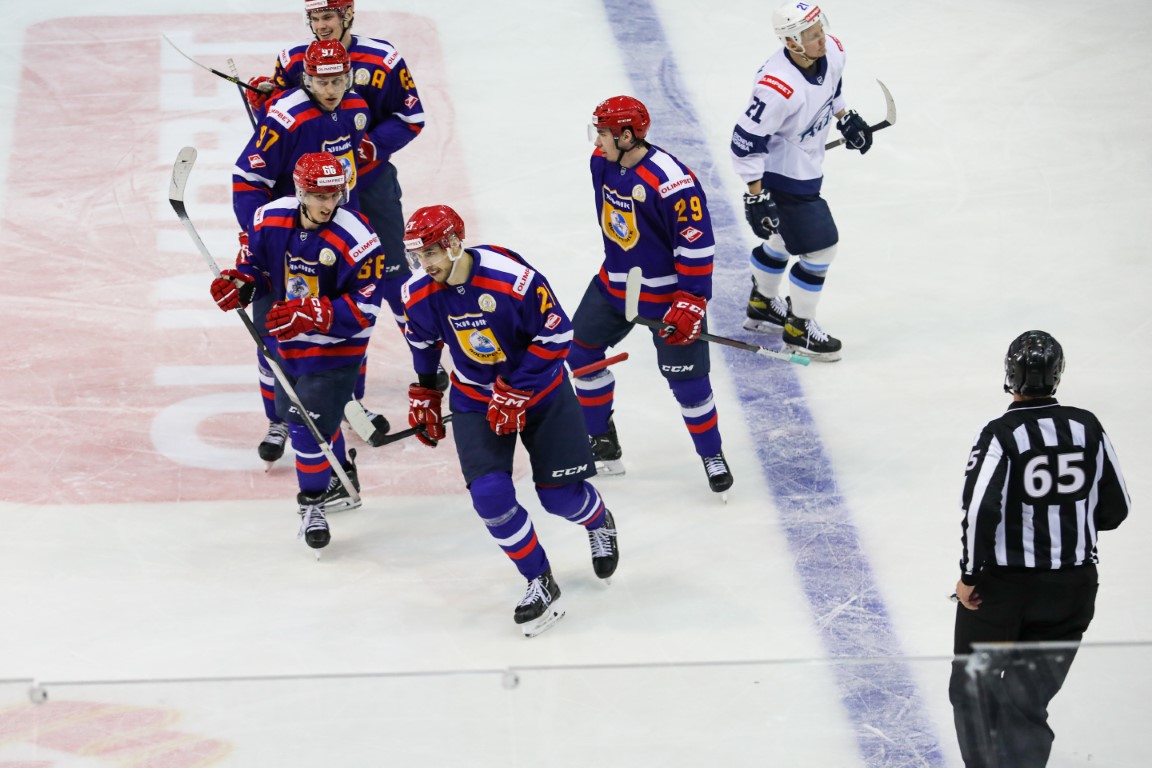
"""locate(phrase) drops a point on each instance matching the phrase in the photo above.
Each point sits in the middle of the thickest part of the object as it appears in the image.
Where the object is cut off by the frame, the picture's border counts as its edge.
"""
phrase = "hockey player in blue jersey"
(778, 150)
(653, 214)
(323, 115)
(312, 259)
(382, 77)
(508, 337)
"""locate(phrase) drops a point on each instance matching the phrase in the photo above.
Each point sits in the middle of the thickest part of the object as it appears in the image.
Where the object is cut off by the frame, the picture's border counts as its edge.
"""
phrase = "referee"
(1042, 480)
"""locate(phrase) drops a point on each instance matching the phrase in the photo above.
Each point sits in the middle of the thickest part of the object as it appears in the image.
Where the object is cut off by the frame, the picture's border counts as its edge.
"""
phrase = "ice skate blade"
(545, 622)
(762, 326)
(816, 357)
(343, 505)
(610, 468)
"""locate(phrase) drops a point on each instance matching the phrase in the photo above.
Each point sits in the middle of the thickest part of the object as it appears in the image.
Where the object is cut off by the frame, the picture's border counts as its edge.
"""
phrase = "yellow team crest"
(639, 194)
(618, 219)
(362, 76)
(486, 302)
(476, 339)
(327, 257)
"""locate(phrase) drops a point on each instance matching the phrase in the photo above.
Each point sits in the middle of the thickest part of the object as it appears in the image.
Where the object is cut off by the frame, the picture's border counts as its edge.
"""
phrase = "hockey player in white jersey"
(778, 150)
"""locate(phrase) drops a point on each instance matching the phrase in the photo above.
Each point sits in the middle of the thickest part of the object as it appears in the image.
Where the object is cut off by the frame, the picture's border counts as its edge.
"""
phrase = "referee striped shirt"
(1041, 481)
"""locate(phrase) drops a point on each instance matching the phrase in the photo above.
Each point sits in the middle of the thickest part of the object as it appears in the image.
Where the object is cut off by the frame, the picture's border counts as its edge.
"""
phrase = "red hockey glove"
(265, 92)
(506, 408)
(289, 319)
(244, 255)
(233, 290)
(366, 152)
(683, 319)
(424, 410)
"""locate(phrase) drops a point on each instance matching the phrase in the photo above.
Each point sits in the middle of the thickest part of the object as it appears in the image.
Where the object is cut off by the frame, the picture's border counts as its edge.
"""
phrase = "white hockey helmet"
(791, 19)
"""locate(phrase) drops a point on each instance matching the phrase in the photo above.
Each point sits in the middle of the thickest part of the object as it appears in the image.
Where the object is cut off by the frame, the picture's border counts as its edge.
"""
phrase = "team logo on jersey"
(552, 321)
(486, 302)
(360, 120)
(327, 257)
(343, 150)
(475, 339)
(301, 286)
(638, 193)
(618, 219)
(301, 277)
(691, 234)
(362, 76)
(822, 118)
(410, 101)
(777, 85)
(368, 290)
(256, 161)
(303, 235)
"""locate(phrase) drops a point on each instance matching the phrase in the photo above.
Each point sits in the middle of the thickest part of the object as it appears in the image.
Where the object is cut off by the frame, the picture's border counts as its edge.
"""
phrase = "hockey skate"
(313, 523)
(605, 549)
(766, 315)
(271, 448)
(336, 498)
(442, 379)
(607, 452)
(806, 337)
(540, 607)
(719, 475)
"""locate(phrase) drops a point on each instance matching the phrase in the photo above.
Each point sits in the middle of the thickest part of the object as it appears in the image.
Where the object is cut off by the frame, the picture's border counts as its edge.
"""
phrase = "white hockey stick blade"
(632, 294)
(185, 159)
(357, 419)
(889, 116)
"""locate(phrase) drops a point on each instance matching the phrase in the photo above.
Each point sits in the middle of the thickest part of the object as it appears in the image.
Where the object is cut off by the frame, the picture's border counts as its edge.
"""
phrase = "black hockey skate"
(605, 549)
(271, 448)
(719, 476)
(766, 315)
(607, 452)
(336, 498)
(540, 607)
(313, 523)
(806, 337)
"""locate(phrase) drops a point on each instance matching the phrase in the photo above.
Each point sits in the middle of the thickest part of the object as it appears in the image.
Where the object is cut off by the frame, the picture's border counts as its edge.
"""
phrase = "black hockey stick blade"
(216, 72)
(631, 313)
(889, 119)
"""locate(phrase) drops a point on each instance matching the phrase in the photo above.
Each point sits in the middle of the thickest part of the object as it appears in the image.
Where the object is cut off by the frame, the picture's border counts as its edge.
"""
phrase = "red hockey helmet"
(339, 6)
(432, 225)
(620, 112)
(325, 58)
(319, 173)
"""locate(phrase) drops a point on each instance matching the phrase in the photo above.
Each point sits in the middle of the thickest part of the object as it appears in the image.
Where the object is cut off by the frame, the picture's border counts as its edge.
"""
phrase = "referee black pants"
(1001, 714)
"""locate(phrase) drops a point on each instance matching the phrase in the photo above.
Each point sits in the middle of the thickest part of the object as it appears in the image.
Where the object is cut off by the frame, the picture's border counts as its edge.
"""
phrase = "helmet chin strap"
(455, 259)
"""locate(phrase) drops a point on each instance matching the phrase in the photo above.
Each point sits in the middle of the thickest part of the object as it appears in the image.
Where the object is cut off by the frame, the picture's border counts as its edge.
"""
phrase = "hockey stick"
(180, 171)
(890, 119)
(632, 314)
(243, 98)
(362, 426)
(216, 72)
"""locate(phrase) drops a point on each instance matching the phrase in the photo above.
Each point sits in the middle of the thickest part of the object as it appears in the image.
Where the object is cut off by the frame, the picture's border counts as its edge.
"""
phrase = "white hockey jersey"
(780, 137)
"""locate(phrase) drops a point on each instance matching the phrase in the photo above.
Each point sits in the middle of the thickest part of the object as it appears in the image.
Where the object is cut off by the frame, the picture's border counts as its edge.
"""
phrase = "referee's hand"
(966, 596)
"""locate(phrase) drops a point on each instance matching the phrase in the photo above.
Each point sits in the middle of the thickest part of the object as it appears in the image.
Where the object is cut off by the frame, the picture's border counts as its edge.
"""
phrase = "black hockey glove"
(856, 133)
(762, 214)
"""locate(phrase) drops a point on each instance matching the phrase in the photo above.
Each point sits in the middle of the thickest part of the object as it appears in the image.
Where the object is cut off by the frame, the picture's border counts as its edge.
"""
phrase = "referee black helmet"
(1033, 364)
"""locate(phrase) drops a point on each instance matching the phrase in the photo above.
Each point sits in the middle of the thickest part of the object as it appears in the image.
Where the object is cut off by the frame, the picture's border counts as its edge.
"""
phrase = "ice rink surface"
(142, 539)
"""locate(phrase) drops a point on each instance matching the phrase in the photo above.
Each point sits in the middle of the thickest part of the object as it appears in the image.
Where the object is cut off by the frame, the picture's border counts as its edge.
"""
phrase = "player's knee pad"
(817, 262)
(690, 392)
(577, 502)
(580, 355)
(494, 498)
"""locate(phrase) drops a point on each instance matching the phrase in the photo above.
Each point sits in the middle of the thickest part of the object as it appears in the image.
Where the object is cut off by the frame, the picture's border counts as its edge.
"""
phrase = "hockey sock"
(312, 469)
(807, 277)
(267, 387)
(579, 502)
(699, 412)
(768, 267)
(494, 499)
(358, 391)
(594, 391)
